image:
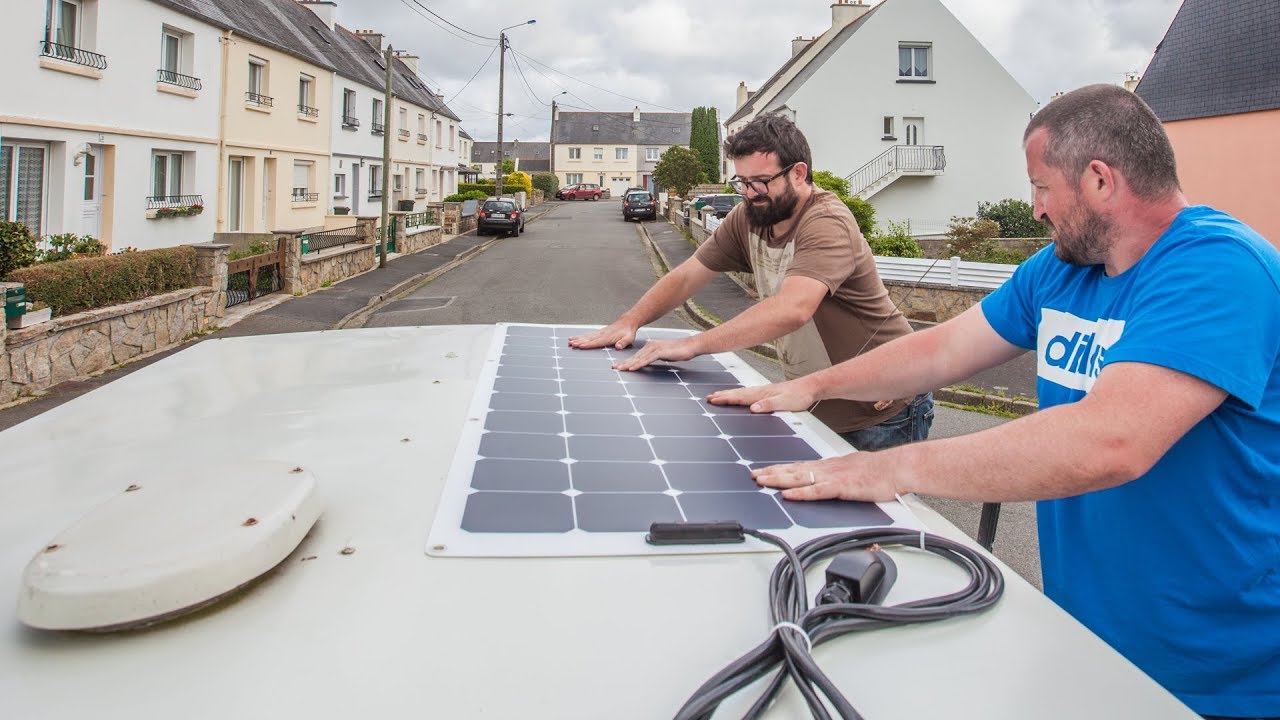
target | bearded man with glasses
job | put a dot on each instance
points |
(821, 299)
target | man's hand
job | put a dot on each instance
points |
(655, 350)
(856, 476)
(766, 398)
(618, 334)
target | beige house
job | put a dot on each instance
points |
(613, 150)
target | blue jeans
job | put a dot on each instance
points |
(910, 425)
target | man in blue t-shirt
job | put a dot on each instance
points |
(1156, 453)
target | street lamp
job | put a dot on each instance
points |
(551, 138)
(502, 69)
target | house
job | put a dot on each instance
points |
(112, 130)
(1215, 83)
(615, 150)
(466, 143)
(904, 102)
(529, 157)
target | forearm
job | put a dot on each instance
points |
(668, 293)
(763, 322)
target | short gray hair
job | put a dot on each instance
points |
(1111, 124)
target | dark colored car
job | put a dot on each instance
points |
(581, 191)
(722, 203)
(499, 216)
(639, 204)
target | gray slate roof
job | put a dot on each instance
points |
(532, 166)
(1216, 59)
(617, 128)
(484, 150)
(293, 29)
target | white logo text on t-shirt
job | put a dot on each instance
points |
(1072, 349)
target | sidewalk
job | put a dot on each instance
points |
(723, 299)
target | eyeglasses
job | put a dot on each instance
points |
(759, 187)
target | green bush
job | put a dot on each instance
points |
(70, 245)
(1016, 218)
(486, 187)
(990, 251)
(864, 212)
(17, 247)
(967, 233)
(546, 182)
(468, 195)
(827, 181)
(257, 246)
(73, 286)
(516, 182)
(897, 242)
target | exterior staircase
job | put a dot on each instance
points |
(894, 163)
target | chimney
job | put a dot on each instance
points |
(798, 44)
(844, 12)
(410, 61)
(1131, 80)
(743, 94)
(374, 39)
(325, 10)
(635, 114)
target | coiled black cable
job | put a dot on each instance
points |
(788, 603)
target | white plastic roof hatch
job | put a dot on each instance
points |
(165, 546)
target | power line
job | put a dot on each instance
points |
(477, 72)
(407, 3)
(482, 37)
(597, 87)
(516, 61)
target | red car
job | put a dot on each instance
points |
(582, 191)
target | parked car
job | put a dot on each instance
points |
(582, 191)
(560, 194)
(639, 204)
(722, 203)
(500, 216)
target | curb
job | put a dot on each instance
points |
(418, 279)
(958, 397)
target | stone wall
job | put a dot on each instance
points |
(449, 215)
(323, 269)
(36, 358)
(933, 303)
(413, 242)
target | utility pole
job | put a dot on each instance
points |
(551, 140)
(386, 161)
(502, 69)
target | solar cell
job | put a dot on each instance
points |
(562, 455)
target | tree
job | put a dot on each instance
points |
(827, 181)
(865, 213)
(678, 170)
(508, 166)
(704, 139)
(1016, 218)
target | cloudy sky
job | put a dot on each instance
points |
(669, 55)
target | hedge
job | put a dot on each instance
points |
(546, 182)
(73, 286)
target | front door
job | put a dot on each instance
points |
(355, 188)
(914, 130)
(91, 209)
(235, 195)
(268, 195)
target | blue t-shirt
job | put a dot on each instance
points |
(1179, 569)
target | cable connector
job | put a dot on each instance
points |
(687, 533)
(859, 576)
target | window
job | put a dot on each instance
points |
(575, 153)
(302, 180)
(888, 127)
(235, 194)
(420, 180)
(377, 126)
(595, 128)
(22, 183)
(620, 153)
(70, 25)
(913, 61)
(375, 181)
(257, 76)
(572, 178)
(439, 133)
(404, 121)
(171, 52)
(397, 182)
(349, 119)
(451, 136)
(422, 128)
(166, 174)
(598, 154)
(340, 185)
(307, 96)
(652, 154)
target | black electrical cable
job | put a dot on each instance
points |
(788, 603)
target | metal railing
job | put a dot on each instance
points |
(377, 128)
(404, 133)
(953, 272)
(304, 196)
(419, 219)
(174, 78)
(350, 122)
(158, 202)
(422, 137)
(260, 100)
(897, 159)
(308, 111)
(76, 55)
(317, 241)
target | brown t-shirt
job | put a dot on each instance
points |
(824, 243)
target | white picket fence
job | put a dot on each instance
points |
(953, 272)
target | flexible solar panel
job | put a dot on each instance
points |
(561, 455)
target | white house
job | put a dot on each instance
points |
(902, 100)
(113, 115)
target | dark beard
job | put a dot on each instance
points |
(1086, 244)
(774, 210)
